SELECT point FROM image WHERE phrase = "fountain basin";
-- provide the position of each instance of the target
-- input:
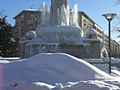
(60, 34)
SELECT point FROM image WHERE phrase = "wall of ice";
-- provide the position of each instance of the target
(60, 34)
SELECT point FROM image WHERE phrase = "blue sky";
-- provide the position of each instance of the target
(93, 8)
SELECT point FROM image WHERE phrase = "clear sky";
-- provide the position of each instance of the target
(93, 8)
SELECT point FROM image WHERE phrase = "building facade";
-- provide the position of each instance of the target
(25, 21)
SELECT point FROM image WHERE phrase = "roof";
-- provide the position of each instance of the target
(84, 14)
(26, 10)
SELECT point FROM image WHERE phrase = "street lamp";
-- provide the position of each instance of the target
(109, 17)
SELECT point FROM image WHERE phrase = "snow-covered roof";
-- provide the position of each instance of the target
(27, 10)
(31, 9)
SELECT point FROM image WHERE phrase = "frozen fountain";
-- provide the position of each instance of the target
(58, 31)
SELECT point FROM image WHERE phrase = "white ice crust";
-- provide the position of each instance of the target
(60, 34)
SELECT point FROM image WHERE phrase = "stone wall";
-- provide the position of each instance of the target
(75, 50)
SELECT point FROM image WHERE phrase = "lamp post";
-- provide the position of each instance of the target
(109, 17)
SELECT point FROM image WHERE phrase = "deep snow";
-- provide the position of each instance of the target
(55, 71)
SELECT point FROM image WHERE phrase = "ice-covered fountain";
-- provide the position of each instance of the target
(56, 26)
(59, 32)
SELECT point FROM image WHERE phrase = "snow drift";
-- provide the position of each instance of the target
(51, 69)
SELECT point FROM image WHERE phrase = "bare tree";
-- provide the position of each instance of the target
(117, 20)
(117, 2)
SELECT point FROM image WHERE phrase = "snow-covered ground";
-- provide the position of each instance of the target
(55, 71)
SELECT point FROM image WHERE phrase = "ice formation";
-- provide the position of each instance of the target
(45, 14)
(59, 30)
(104, 53)
(60, 34)
(74, 16)
(91, 33)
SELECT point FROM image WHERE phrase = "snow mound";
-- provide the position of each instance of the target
(82, 85)
(52, 68)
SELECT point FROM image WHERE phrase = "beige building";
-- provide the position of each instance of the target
(25, 21)
(86, 22)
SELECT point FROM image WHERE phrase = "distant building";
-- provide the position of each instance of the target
(86, 22)
(25, 21)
